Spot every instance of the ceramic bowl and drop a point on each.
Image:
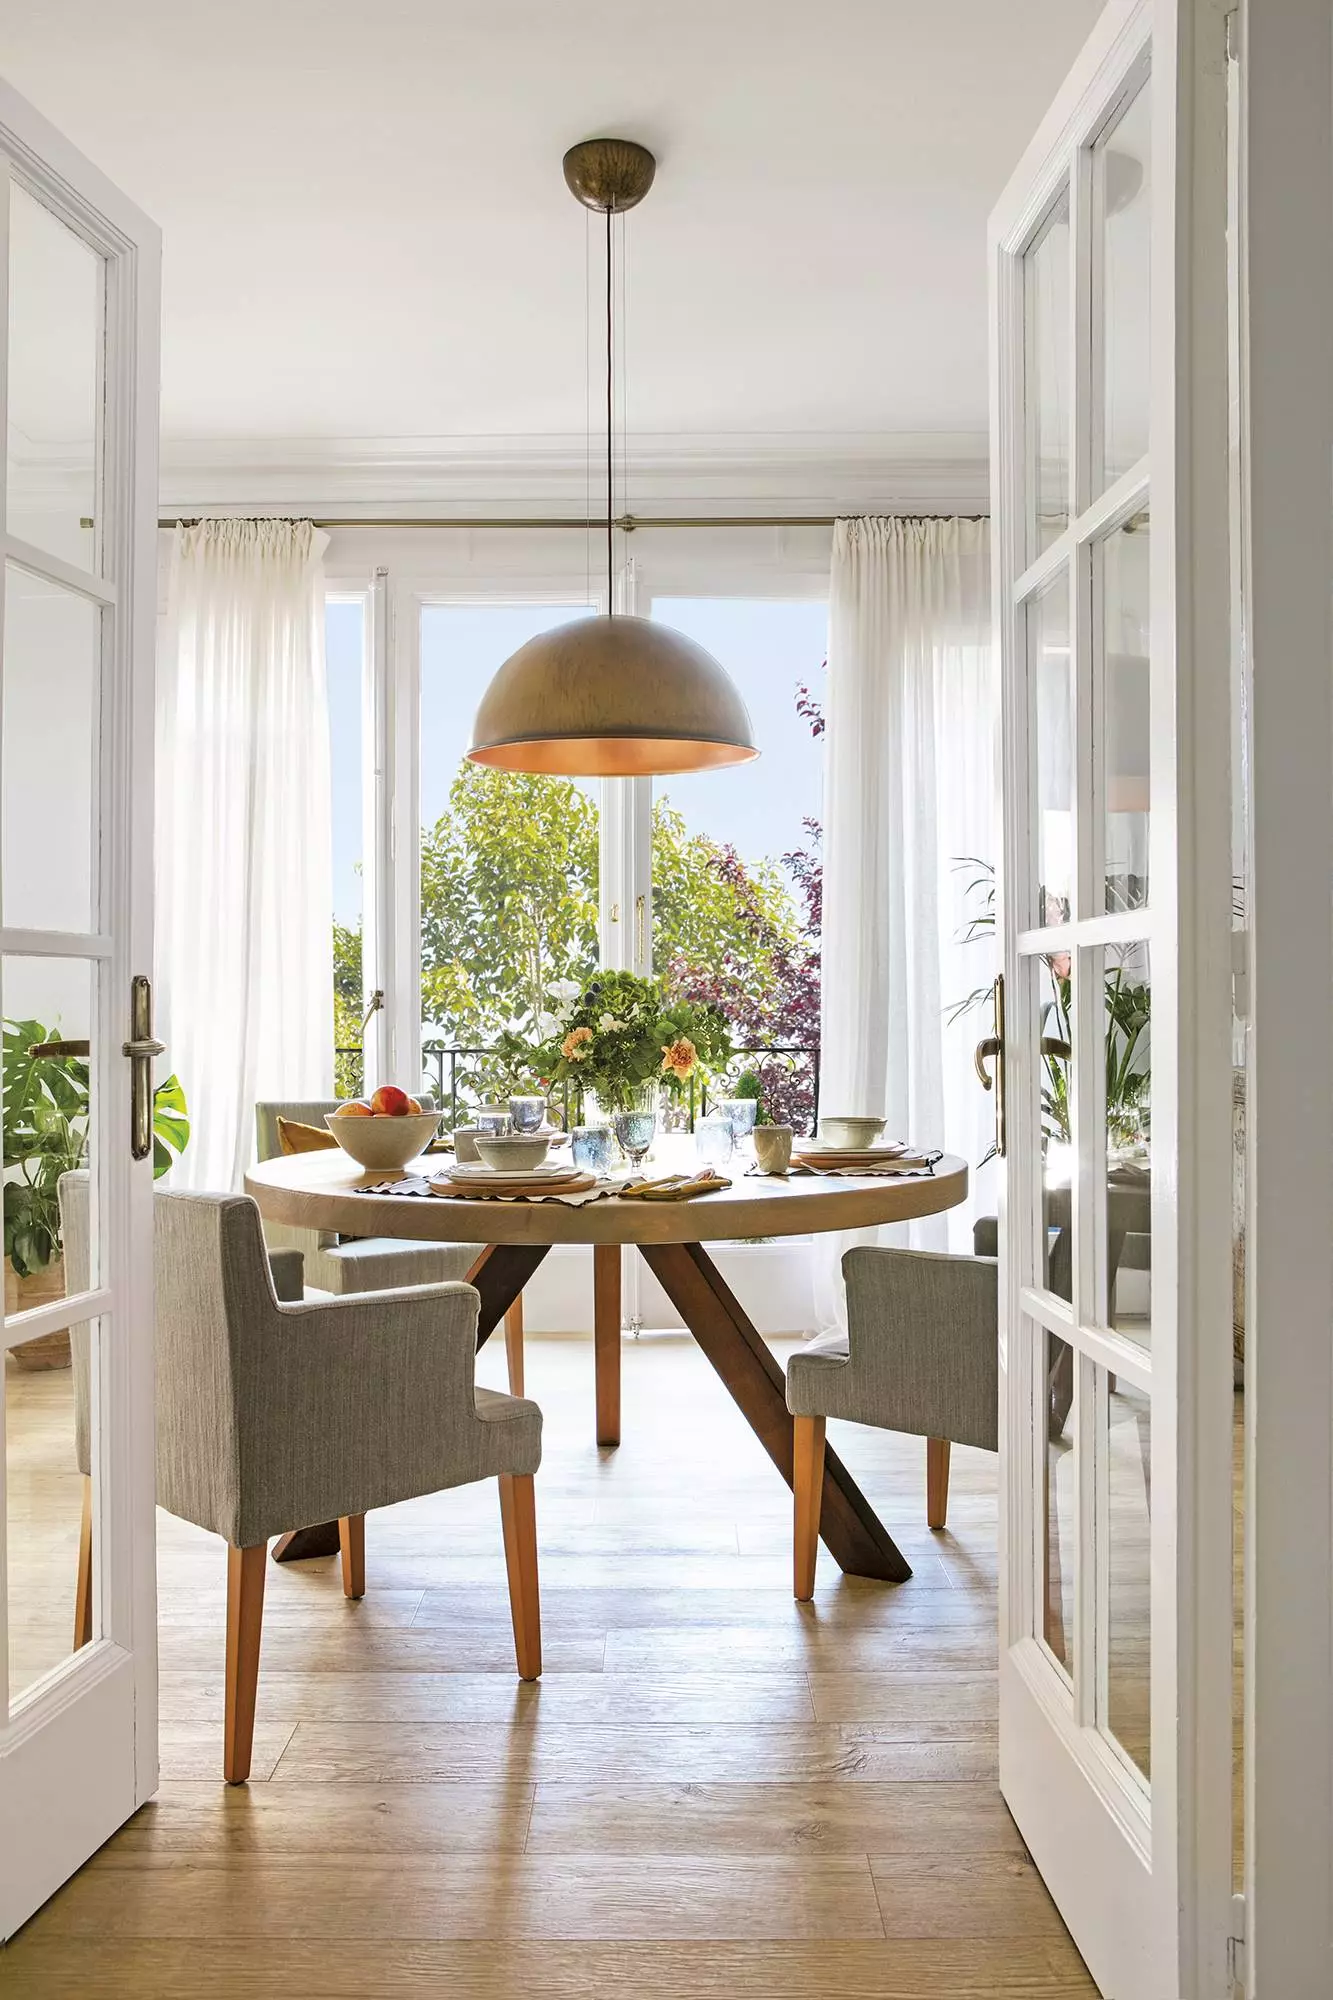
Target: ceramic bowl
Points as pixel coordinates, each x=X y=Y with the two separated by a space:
x=850 y=1132
x=384 y=1143
x=513 y=1151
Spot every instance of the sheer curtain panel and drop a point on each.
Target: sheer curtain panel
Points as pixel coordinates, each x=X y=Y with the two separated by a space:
x=910 y=804
x=244 y=896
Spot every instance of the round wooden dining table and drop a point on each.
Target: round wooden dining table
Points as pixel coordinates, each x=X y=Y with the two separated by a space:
x=327 y=1191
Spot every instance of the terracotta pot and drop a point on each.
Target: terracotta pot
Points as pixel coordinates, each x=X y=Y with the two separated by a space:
x=772 y=1148
x=49 y=1350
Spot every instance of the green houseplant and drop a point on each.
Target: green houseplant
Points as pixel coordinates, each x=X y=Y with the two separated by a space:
x=46 y=1112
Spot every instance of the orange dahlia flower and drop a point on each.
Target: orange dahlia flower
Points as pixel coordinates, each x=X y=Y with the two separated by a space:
x=679 y=1058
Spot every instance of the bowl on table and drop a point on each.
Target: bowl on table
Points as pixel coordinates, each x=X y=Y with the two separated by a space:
x=850 y=1133
x=511 y=1152
x=384 y=1143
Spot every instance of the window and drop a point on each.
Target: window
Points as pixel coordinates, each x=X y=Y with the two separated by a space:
x=509 y=861
x=346 y=625
x=736 y=863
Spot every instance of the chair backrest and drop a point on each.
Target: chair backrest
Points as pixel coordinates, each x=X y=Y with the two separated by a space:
x=299 y=1111
x=215 y=1303
x=924 y=1340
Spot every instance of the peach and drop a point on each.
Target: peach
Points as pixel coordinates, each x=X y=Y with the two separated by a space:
x=354 y=1109
x=390 y=1102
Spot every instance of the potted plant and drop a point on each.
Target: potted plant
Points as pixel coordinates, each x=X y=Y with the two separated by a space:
x=46 y=1110
x=772 y=1143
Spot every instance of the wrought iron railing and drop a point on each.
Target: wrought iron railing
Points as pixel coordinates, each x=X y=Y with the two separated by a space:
x=454 y=1072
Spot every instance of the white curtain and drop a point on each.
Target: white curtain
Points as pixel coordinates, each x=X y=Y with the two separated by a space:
x=909 y=794
x=244 y=894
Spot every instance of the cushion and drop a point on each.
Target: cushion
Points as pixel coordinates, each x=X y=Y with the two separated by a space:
x=296 y=1138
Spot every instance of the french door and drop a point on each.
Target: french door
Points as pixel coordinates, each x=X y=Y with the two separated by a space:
x=78 y=394
x=1109 y=469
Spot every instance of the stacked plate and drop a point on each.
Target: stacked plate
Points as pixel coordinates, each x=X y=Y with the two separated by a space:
x=471 y=1177
x=884 y=1159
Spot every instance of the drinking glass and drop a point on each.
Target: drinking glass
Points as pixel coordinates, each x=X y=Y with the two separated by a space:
x=636 y=1123
x=492 y=1120
x=528 y=1113
x=740 y=1113
x=593 y=1147
x=714 y=1141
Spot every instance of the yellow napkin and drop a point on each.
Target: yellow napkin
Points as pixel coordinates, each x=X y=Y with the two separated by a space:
x=674 y=1187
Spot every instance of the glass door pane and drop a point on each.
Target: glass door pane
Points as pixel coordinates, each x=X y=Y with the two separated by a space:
x=1047 y=294
x=736 y=854
x=49 y=719
x=345 y=655
x=1122 y=197
x=1120 y=584
x=509 y=863
x=56 y=285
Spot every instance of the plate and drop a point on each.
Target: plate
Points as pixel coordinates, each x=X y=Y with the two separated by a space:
x=848 y=1155
x=477 y=1170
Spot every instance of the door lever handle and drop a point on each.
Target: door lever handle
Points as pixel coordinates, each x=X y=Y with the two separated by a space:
x=991 y=1049
x=141 y=1048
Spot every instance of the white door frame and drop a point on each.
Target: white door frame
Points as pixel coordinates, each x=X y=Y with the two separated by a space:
x=78 y=1752
x=1141 y=1876
x=1286 y=324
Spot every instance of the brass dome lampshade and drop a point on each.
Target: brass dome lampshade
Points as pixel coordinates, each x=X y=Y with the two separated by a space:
x=611 y=697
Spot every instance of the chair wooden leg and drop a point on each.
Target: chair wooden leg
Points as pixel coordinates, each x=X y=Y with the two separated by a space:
x=937 y=1482
x=808 y=1489
x=514 y=1345
x=352 y=1545
x=245 y=1614
x=518 y=1515
x=83 y=1590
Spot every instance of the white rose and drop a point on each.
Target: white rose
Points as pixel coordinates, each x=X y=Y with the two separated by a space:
x=565 y=989
x=608 y=1024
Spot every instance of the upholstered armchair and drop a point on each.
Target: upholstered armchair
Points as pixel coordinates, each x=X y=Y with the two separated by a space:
x=363 y=1264
x=921 y=1354
x=271 y=1416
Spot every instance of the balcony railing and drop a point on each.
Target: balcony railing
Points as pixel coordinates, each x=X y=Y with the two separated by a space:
x=454 y=1072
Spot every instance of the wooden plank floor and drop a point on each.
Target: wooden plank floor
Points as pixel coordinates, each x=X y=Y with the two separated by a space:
x=712 y=1790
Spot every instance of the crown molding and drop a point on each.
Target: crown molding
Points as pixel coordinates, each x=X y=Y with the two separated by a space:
x=797 y=473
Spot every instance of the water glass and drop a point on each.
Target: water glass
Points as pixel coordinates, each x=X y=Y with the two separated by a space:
x=740 y=1113
x=492 y=1120
x=713 y=1141
x=528 y=1113
x=636 y=1124
x=593 y=1147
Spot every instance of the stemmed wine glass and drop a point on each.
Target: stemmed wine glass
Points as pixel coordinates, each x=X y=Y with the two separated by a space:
x=636 y=1123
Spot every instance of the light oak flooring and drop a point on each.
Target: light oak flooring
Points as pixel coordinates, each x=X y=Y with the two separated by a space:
x=712 y=1791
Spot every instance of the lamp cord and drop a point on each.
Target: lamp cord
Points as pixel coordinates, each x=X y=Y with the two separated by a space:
x=610 y=466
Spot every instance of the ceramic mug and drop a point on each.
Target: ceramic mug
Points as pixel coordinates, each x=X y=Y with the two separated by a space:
x=772 y=1148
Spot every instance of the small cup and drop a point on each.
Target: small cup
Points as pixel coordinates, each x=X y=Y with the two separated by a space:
x=528 y=1113
x=772 y=1148
x=714 y=1140
x=465 y=1144
x=493 y=1120
x=593 y=1147
x=740 y=1112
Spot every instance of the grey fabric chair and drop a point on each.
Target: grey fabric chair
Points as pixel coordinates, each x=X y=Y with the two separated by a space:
x=72 y=1195
x=367 y=1264
x=921 y=1354
x=272 y=1416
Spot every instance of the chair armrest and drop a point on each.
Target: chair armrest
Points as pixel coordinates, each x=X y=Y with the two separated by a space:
x=287 y=1268
x=923 y=1348
x=353 y=1403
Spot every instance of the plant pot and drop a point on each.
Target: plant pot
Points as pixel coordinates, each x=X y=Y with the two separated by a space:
x=772 y=1148
x=40 y=1288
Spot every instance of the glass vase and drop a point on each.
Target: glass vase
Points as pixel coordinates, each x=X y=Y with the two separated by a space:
x=635 y=1122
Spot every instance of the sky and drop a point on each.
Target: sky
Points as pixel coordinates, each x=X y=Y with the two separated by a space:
x=768 y=646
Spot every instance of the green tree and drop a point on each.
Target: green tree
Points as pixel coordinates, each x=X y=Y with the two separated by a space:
x=348 y=1008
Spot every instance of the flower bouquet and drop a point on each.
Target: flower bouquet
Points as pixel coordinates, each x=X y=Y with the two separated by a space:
x=619 y=1034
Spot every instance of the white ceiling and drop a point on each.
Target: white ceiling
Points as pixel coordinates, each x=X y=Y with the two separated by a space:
x=367 y=235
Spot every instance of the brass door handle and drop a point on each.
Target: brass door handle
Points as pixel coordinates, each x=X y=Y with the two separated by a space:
x=141 y=1048
x=991 y=1049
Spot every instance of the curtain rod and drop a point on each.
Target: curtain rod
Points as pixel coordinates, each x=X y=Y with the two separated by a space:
x=627 y=522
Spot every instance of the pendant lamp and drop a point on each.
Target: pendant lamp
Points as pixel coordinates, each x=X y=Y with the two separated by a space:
x=611 y=696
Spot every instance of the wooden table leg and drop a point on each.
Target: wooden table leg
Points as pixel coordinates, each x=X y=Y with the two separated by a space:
x=606 y=1339
x=499 y=1274
x=849 y=1526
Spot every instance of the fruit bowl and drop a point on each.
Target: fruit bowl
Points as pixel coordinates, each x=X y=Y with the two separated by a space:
x=383 y=1142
